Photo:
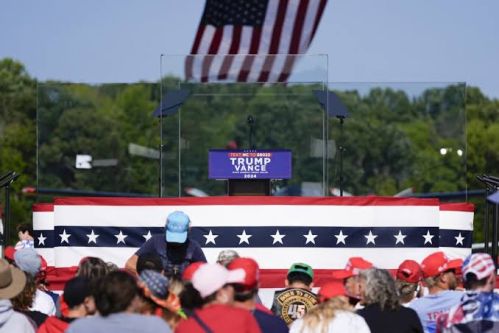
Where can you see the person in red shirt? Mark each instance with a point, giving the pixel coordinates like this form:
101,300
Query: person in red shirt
245,296
214,311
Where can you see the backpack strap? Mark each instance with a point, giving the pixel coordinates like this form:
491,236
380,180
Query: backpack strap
201,323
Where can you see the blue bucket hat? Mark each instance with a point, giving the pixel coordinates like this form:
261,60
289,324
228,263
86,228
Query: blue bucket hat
177,226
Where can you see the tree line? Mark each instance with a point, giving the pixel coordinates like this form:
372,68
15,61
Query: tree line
437,140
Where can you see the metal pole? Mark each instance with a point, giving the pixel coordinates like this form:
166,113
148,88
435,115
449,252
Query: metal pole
486,219
494,235
6,230
160,180
340,148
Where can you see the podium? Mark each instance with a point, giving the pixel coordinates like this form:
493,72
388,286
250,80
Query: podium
249,172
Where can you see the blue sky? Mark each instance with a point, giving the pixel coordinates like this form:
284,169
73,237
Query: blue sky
366,40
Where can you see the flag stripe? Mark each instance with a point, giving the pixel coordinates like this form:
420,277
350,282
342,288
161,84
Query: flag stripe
274,42
265,40
318,18
246,201
194,50
214,46
207,37
313,12
296,36
234,48
251,215
225,45
244,46
458,207
43,207
281,258
248,60
285,40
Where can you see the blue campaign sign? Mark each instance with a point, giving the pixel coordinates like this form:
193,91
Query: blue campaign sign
249,164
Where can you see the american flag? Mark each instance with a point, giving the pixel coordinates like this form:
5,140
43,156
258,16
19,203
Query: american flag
252,40
276,231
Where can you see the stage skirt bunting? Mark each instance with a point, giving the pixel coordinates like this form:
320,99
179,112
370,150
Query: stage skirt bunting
276,231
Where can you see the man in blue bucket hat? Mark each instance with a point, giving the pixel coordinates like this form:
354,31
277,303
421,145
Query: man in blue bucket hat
174,247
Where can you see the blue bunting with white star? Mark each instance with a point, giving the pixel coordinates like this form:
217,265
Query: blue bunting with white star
262,236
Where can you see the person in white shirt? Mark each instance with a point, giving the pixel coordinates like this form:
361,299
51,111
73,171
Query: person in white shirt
30,262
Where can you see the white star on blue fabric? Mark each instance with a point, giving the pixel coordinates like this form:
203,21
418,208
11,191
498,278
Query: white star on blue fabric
277,237
210,238
428,237
459,239
41,239
310,237
92,237
399,238
340,238
148,235
64,236
120,238
370,238
244,238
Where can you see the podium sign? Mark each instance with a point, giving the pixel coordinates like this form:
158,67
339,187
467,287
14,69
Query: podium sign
249,164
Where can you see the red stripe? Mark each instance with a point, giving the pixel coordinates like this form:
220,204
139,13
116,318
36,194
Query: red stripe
43,207
269,278
195,47
298,27
234,48
208,59
320,11
274,43
458,207
252,200
294,46
248,60
279,23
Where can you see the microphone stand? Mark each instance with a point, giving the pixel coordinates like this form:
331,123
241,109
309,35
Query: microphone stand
5,181
251,124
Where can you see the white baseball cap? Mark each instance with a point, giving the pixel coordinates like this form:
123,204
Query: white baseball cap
209,278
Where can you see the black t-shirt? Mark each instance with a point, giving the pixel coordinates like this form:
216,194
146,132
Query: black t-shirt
402,320
37,316
269,323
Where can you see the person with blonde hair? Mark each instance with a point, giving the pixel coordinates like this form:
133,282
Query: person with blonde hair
333,314
383,312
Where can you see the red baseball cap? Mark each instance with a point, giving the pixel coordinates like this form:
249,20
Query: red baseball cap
190,270
331,289
250,268
435,264
9,252
456,265
353,267
409,271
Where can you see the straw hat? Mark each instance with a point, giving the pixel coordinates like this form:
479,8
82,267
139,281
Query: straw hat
12,280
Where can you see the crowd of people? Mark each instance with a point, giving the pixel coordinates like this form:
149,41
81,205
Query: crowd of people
167,286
